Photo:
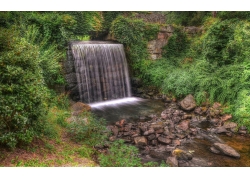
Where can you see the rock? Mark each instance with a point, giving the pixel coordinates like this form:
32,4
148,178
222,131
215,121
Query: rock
214,150
243,128
121,123
186,116
157,126
140,141
170,148
176,142
126,133
115,130
164,140
79,108
159,131
150,131
188,103
230,126
243,132
194,162
157,153
227,150
183,125
112,138
172,161
220,130
166,131
154,142
182,155
226,117
151,137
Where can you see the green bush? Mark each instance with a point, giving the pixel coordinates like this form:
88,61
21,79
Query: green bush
177,44
49,55
22,91
120,155
134,34
88,129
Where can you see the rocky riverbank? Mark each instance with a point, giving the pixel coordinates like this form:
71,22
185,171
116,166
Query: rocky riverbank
164,136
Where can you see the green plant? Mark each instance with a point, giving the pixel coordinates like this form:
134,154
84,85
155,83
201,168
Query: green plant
22,90
88,129
85,151
120,155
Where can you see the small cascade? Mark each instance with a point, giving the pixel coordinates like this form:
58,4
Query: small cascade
101,71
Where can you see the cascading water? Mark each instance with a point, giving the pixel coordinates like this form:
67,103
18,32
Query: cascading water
101,70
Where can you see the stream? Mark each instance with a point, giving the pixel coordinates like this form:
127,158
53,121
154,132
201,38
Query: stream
141,110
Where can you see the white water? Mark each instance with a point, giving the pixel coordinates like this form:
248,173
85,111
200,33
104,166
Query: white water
117,102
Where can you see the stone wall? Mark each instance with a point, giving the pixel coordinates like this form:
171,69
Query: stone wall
155,46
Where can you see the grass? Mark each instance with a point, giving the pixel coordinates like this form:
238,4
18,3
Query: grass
57,150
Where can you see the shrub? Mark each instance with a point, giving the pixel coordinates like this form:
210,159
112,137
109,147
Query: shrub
22,90
88,129
120,155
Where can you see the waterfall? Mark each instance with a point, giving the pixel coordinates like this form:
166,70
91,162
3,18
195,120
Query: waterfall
101,71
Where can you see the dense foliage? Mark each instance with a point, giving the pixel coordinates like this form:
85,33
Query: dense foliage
213,65
22,90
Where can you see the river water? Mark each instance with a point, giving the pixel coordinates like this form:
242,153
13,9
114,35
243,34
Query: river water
137,110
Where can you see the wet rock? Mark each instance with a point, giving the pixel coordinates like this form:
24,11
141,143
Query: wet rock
188,103
176,119
215,122
158,153
194,162
120,123
226,117
182,155
227,150
140,141
186,116
143,128
154,142
79,108
166,131
151,137
157,126
150,131
242,132
181,135
215,110
230,126
244,128
172,161
126,133
183,125
112,138
198,111
176,142
170,148
164,140
219,130
159,131
214,150
115,130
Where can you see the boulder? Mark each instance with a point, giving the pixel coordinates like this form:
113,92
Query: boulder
231,126
164,140
188,103
182,155
227,150
172,161
79,108
183,125
141,141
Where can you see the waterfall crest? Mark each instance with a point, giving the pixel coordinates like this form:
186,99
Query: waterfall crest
101,71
